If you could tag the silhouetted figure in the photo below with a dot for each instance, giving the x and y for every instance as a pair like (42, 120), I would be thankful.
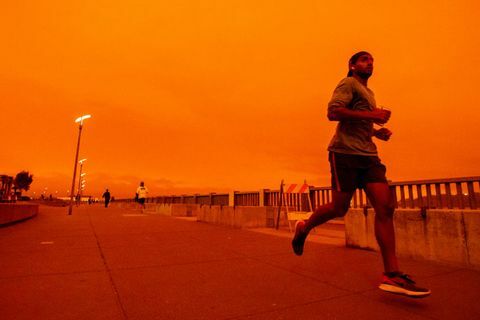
(354, 163)
(106, 196)
(141, 195)
(89, 200)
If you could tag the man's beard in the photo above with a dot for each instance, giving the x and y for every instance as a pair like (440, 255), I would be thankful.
(364, 75)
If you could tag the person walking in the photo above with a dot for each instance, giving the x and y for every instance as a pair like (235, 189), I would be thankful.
(354, 163)
(141, 195)
(106, 196)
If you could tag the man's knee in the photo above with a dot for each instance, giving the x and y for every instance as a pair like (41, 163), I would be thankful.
(385, 211)
(390, 209)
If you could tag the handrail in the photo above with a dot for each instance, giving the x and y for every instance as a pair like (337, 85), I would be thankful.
(433, 181)
(432, 193)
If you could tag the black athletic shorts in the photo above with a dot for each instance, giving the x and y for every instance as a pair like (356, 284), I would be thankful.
(141, 200)
(350, 171)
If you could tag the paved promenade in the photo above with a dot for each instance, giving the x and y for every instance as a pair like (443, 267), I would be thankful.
(119, 264)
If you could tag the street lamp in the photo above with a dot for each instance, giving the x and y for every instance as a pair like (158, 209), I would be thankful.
(79, 193)
(79, 120)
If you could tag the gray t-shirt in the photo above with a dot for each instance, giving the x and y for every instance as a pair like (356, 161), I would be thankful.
(353, 136)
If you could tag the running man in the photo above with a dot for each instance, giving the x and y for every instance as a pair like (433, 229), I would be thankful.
(355, 164)
(141, 195)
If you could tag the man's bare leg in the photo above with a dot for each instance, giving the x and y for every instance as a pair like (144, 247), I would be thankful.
(381, 199)
(337, 208)
(393, 280)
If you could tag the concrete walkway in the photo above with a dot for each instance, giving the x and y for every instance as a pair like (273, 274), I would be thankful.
(119, 264)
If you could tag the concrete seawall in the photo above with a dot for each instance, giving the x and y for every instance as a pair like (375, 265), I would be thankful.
(451, 236)
(15, 212)
(236, 217)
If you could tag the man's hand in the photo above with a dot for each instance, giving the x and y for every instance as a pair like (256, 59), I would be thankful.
(382, 134)
(380, 116)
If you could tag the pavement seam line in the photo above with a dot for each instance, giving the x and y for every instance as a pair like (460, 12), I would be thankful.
(110, 277)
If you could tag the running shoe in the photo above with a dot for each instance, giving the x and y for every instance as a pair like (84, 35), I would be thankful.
(400, 283)
(299, 238)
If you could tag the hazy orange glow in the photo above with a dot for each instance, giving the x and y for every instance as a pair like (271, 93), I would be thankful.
(197, 96)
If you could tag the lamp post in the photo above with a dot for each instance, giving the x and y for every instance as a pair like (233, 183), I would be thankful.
(79, 120)
(82, 187)
(79, 193)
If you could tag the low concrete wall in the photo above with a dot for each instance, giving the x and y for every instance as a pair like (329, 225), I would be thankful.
(237, 217)
(184, 210)
(16, 212)
(451, 236)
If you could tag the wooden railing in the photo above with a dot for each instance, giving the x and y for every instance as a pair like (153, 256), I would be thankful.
(460, 193)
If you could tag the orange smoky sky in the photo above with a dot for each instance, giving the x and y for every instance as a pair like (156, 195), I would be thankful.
(211, 96)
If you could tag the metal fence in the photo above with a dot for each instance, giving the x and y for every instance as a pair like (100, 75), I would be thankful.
(452, 193)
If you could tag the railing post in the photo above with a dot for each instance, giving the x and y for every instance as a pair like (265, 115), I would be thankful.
(460, 195)
(419, 195)
(231, 199)
(211, 198)
(429, 195)
(448, 192)
(438, 192)
(410, 196)
(471, 196)
(311, 194)
(402, 196)
(262, 197)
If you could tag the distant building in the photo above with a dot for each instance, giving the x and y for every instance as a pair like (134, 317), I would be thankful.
(6, 183)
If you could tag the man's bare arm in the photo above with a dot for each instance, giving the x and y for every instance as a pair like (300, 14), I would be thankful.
(380, 116)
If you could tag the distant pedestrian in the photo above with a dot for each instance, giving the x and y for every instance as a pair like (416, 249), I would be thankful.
(141, 195)
(106, 196)
(354, 163)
